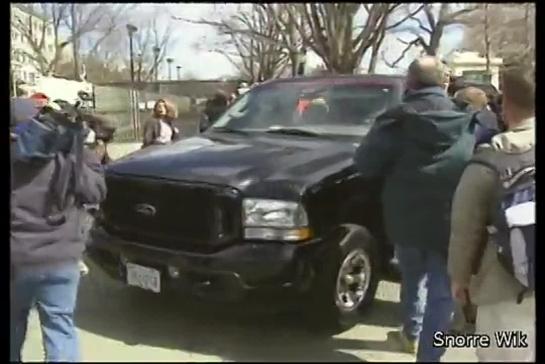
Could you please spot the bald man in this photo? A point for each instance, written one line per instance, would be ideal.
(420, 149)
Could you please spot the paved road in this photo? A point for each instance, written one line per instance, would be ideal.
(119, 324)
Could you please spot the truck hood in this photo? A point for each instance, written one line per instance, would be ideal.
(258, 164)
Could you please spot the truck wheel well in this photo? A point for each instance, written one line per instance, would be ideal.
(382, 251)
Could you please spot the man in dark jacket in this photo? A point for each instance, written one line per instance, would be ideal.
(52, 177)
(420, 149)
(215, 107)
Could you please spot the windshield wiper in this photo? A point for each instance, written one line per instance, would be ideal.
(225, 129)
(293, 131)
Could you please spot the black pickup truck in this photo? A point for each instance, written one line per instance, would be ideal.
(264, 203)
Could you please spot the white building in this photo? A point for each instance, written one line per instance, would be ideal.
(24, 22)
(472, 66)
(59, 88)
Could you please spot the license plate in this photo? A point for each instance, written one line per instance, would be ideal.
(143, 277)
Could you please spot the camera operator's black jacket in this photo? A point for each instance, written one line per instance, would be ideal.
(36, 239)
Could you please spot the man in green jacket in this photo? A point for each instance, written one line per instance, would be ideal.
(473, 265)
(420, 149)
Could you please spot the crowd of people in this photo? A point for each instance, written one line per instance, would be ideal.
(458, 199)
(447, 162)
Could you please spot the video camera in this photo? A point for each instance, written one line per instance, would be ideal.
(40, 133)
(100, 125)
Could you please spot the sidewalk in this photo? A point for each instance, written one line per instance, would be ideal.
(117, 324)
(118, 150)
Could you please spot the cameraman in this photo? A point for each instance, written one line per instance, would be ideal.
(52, 177)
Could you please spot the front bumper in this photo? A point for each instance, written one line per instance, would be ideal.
(232, 274)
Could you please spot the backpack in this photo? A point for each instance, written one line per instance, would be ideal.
(512, 227)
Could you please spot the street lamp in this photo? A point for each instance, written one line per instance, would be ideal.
(131, 29)
(302, 60)
(140, 60)
(178, 68)
(156, 51)
(169, 62)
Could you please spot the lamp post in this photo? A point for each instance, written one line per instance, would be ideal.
(178, 68)
(131, 29)
(169, 62)
(156, 51)
(302, 60)
(140, 60)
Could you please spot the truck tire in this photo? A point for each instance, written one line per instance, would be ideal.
(345, 282)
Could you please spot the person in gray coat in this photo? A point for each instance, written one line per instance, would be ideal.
(160, 130)
(52, 177)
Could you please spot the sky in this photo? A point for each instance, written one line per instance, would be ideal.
(202, 64)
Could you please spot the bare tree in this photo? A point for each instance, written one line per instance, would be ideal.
(511, 31)
(430, 30)
(332, 33)
(292, 26)
(84, 23)
(280, 32)
(148, 37)
(111, 25)
(51, 16)
(487, 36)
(286, 35)
(254, 41)
(91, 19)
(109, 59)
(390, 23)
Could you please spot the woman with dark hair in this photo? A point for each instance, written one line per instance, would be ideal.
(159, 129)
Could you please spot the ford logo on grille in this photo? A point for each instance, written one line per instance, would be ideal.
(145, 209)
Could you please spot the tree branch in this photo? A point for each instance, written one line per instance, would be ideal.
(410, 44)
(407, 17)
(421, 25)
(454, 17)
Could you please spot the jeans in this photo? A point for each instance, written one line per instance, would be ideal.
(426, 299)
(53, 291)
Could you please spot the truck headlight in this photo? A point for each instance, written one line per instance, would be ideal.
(274, 220)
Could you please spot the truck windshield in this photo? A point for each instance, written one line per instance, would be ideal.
(346, 109)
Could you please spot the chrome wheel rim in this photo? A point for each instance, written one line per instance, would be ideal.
(353, 280)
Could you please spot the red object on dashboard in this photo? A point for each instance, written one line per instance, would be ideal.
(302, 106)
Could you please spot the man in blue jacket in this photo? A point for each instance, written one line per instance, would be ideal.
(420, 149)
(52, 177)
